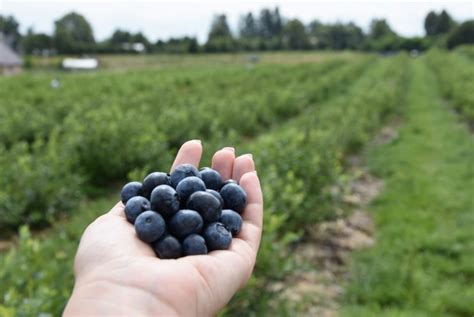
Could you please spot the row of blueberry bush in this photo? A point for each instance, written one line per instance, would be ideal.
(291, 158)
(139, 124)
(304, 158)
(455, 74)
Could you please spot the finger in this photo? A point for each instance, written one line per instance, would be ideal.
(242, 164)
(223, 162)
(118, 210)
(190, 152)
(253, 213)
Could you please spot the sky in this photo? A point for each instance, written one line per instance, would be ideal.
(164, 19)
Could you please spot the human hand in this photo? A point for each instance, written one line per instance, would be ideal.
(117, 274)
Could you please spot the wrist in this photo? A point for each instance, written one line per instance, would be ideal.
(105, 298)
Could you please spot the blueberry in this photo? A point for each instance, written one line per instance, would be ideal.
(208, 206)
(188, 186)
(153, 180)
(181, 172)
(164, 200)
(130, 190)
(194, 244)
(185, 222)
(217, 195)
(217, 236)
(211, 178)
(168, 247)
(232, 221)
(135, 206)
(150, 226)
(234, 197)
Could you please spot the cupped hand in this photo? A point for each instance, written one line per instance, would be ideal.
(117, 274)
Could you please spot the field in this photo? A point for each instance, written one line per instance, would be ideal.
(64, 151)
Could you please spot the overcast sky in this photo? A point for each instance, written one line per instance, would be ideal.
(164, 19)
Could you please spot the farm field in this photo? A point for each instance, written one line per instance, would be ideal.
(64, 151)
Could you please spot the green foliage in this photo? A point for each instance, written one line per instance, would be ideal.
(73, 34)
(462, 34)
(438, 24)
(335, 107)
(421, 264)
(95, 130)
(456, 80)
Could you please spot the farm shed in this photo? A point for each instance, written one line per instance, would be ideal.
(10, 62)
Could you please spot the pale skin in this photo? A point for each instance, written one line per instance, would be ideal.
(118, 275)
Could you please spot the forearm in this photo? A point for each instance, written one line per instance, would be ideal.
(103, 298)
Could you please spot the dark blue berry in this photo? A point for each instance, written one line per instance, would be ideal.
(153, 180)
(217, 236)
(164, 200)
(185, 222)
(232, 221)
(234, 197)
(194, 244)
(211, 178)
(130, 190)
(181, 172)
(208, 206)
(168, 247)
(217, 195)
(150, 226)
(188, 186)
(135, 206)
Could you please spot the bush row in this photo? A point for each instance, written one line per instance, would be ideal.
(455, 74)
(306, 156)
(129, 123)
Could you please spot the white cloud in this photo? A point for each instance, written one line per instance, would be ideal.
(164, 19)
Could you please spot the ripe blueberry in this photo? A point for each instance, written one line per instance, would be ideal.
(135, 206)
(217, 236)
(130, 190)
(153, 180)
(185, 222)
(181, 172)
(232, 221)
(188, 186)
(164, 199)
(168, 247)
(208, 206)
(194, 244)
(150, 226)
(234, 197)
(217, 195)
(211, 178)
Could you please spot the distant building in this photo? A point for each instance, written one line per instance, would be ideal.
(10, 62)
(80, 63)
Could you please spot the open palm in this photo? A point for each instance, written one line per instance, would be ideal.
(117, 274)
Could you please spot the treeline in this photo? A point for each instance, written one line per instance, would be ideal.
(267, 30)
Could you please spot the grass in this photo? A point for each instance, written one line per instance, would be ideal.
(423, 262)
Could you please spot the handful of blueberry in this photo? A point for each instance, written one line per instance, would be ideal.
(189, 212)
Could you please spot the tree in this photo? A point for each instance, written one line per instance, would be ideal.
(270, 23)
(379, 28)
(220, 38)
(120, 37)
(9, 28)
(36, 43)
(73, 34)
(248, 26)
(462, 34)
(338, 36)
(438, 24)
(295, 36)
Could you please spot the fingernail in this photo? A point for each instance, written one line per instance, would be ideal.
(196, 140)
(249, 155)
(229, 148)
